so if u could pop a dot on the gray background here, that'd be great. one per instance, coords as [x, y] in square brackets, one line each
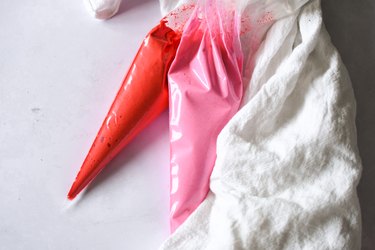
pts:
[351, 26]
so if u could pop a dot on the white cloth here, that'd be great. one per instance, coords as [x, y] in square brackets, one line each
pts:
[287, 163]
[102, 9]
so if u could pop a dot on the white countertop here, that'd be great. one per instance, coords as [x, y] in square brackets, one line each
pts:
[59, 72]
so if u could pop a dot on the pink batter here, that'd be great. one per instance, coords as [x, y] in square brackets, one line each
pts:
[205, 87]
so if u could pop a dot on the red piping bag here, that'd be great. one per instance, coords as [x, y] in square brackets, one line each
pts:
[141, 98]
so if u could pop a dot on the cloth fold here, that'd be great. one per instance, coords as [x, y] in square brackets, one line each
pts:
[287, 163]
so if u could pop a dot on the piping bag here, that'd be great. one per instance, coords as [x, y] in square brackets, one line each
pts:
[142, 97]
[215, 57]
[205, 85]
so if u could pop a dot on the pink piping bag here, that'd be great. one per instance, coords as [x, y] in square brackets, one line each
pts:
[205, 91]
[216, 55]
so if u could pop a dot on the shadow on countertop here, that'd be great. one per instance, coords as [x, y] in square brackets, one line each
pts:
[351, 26]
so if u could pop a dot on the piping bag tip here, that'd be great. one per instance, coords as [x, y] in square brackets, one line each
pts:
[78, 186]
[71, 195]
[73, 192]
